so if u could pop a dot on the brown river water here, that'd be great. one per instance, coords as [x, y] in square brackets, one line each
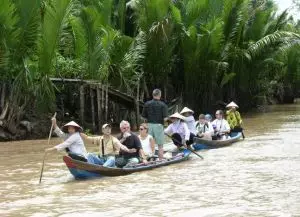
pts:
[259, 176]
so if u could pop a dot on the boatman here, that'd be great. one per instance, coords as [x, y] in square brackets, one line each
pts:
[73, 142]
[234, 118]
[155, 112]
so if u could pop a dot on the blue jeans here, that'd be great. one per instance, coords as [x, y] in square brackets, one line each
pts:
[106, 162]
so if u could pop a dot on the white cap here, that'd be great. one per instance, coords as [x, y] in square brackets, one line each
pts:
[106, 125]
[186, 109]
[177, 115]
[232, 104]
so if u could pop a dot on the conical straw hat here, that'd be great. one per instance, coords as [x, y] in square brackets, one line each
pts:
[232, 104]
[186, 109]
[73, 124]
[177, 115]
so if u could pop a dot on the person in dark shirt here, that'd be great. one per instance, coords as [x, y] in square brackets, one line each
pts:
[155, 112]
[130, 140]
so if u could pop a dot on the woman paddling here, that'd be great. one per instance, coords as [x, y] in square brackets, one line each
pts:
[179, 131]
[73, 142]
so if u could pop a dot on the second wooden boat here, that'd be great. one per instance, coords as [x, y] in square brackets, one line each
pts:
[210, 144]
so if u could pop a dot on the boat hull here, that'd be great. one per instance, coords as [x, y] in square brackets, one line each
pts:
[200, 144]
[84, 170]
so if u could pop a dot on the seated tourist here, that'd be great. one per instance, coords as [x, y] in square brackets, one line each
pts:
[130, 140]
[73, 143]
[109, 146]
[179, 131]
[189, 119]
[220, 126]
[204, 128]
[234, 118]
[147, 141]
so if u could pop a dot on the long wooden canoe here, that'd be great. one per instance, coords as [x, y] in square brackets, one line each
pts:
[84, 170]
[210, 144]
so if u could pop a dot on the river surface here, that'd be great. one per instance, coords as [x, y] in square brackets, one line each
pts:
[259, 176]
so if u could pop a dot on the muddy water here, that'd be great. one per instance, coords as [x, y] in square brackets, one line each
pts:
[259, 176]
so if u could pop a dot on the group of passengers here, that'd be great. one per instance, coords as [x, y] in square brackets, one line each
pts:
[184, 128]
[130, 148]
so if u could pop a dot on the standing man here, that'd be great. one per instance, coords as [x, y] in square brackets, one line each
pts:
[156, 112]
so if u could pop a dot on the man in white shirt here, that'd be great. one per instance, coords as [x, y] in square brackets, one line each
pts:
[73, 142]
[221, 126]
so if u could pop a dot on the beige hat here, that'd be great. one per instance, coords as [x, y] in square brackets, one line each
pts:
[232, 104]
[186, 109]
[177, 115]
[73, 124]
[106, 125]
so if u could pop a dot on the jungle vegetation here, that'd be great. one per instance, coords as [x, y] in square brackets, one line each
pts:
[204, 50]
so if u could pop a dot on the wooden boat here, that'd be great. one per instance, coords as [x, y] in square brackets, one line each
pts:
[84, 170]
[210, 144]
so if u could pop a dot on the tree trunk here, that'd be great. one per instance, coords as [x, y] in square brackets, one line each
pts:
[106, 103]
[92, 95]
[99, 107]
[3, 96]
[82, 101]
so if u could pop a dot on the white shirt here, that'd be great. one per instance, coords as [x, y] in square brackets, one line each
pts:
[203, 128]
[190, 122]
[180, 128]
[72, 141]
[221, 125]
[146, 144]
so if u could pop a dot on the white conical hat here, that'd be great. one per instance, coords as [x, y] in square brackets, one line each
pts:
[186, 109]
[73, 124]
[177, 115]
[232, 104]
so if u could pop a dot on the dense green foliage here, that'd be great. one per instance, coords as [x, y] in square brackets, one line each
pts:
[206, 50]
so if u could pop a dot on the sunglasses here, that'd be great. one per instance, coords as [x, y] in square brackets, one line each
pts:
[142, 128]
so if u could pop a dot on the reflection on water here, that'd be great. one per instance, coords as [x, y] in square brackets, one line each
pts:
[256, 177]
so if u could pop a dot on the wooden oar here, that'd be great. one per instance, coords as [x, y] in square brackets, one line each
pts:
[185, 148]
[42, 169]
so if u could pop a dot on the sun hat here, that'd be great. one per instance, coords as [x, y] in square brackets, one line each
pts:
[73, 124]
[106, 125]
[208, 117]
[232, 104]
[177, 115]
[185, 110]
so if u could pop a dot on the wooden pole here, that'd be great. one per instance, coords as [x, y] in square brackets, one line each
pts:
[92, 95]
[82, 101]
[99, 107]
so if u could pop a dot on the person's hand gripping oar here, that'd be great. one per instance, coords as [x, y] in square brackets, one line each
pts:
[185, 148]
[50, 133]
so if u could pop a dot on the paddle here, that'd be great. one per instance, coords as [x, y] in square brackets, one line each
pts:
[42, 169]
[186, 148]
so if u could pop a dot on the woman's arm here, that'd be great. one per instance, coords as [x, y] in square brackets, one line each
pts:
[62, 146]
[168, 130]
[187, 132]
